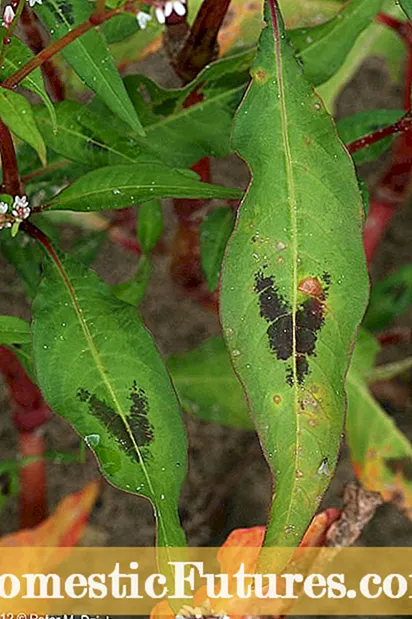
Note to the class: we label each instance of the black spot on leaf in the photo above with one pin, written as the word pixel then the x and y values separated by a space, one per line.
pixel 309 319
pixel 63 13
pixel 132 434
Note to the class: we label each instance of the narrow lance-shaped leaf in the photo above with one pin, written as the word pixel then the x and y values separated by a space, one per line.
pixel 17 55
pixel 117 394
pixel 124 185
pixel 381 453
pixel 16 113
pixel 323 49
pixel 89 56
pixel 407 7
pixel 294 283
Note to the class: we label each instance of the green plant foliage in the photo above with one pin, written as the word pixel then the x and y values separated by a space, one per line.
pixel 117 394
pixel 390 298
pixel 207 386
pixel 14 330
pixel 359 125
pixel 16 113
pixel 289 309
pixel 407 7
pixel 17 55
pixel 120 186
pixel 89 56
pixel 83 136
pixel 133 290
pixel 323 49
pixel 214 235
pixel 149 225
pixel 381 454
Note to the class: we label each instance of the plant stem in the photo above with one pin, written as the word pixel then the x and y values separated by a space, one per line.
pixel 11 178
pixel 402 125
pixel 398 335
pixel 402 28
pixel 46 170
pixel 57 46
pixel 200 47
pixel 30 412
pixel 10 31
pixel 389 370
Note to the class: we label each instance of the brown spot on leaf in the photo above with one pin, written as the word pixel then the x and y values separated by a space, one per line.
pixel 312 287
pixel 277 399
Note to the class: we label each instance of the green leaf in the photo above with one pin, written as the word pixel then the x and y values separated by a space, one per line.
pixel 182 135
pixel 406 7
pixel 294 285
pixel 16 113
pixel 214 235
pixel 149 225
pixel 117 394
pixel 362 124
pixel 381 454
pixel 119 27
pixel 89 56
pixel 323 49
pixel 120 186
pixel 134 289
pixel 14 330
pixel 17 55
pixel 207 386
pixel 390 298
pixel 375 40
pixel 82 136
pixel 86 248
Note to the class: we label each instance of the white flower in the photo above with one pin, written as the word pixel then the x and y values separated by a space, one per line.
pixel 4 207
pixel 6 224
pixel 142 19
pixel 8 16
pixel 21 209
pixel 178 6
pixel 33 2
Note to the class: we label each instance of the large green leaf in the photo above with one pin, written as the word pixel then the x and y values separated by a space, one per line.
pixel 99 368
pixel 89 56
pixel 17 55
pixel 323 49
pixel 207 386
pixel 294 283
pixel 16 113
pixel 78 134
pixel 121 186
pixel 381 453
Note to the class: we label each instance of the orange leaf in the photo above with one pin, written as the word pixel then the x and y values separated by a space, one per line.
pixel 64 527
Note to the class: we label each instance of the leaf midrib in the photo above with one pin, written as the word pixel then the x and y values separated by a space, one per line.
pixel 293 229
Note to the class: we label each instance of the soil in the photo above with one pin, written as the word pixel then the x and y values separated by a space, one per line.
pixel 228 484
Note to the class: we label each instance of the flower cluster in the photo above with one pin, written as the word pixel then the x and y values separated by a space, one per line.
pixel 14 213
pixel 162 12
pixel 9 13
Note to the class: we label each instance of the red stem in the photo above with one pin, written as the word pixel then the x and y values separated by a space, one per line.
pixel 398 335
pixel 11 179
pixel 34 38
pixel 404 124
pixel 30 412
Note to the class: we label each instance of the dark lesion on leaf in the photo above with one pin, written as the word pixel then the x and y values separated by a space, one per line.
pixel 63 13
pixel 134 437
pixel 400 465
pixel 308 320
